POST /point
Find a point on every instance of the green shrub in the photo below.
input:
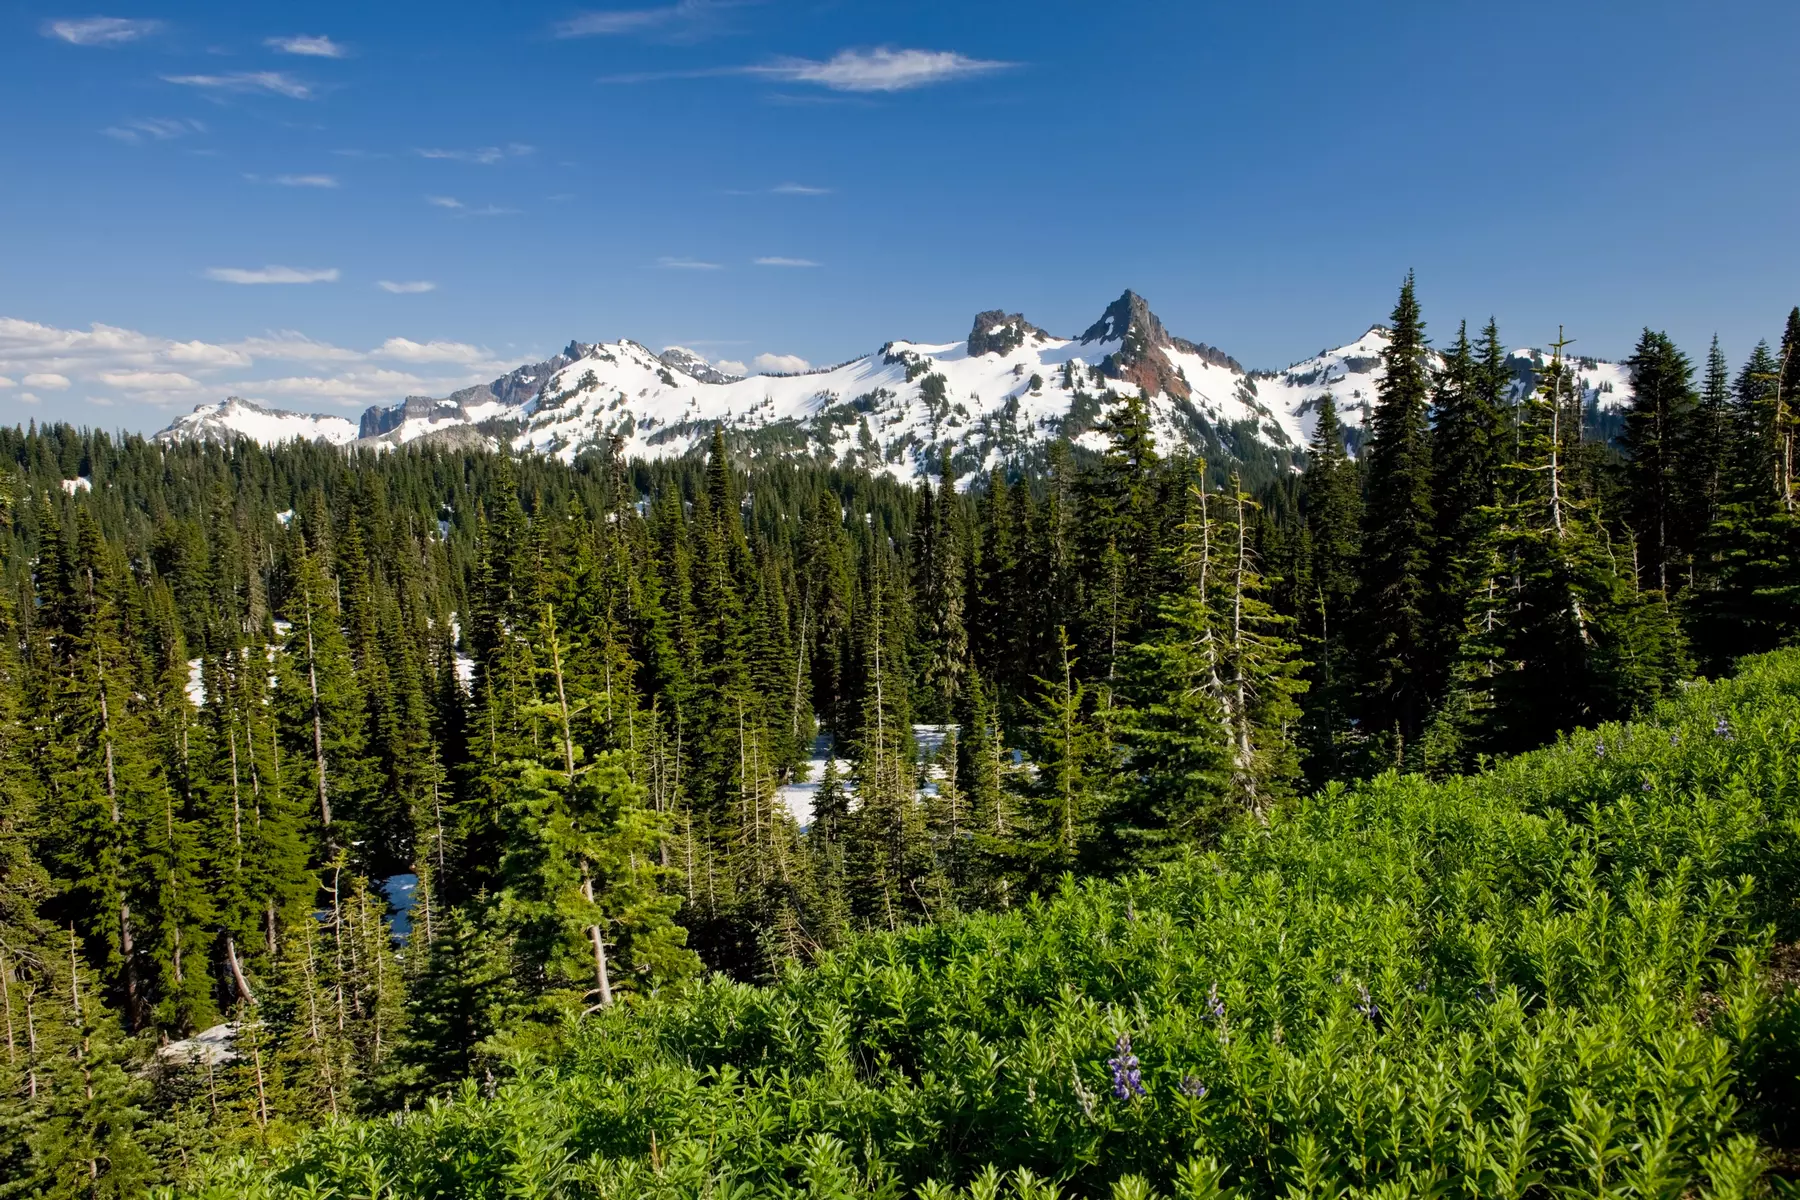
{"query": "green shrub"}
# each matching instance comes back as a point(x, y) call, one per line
point(1548, 979)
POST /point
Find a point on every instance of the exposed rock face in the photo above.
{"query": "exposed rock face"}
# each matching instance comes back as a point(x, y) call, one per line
point(997, 332)
point(378, 420)
point(1142, 339)
point(512, 390)
point(686, 361)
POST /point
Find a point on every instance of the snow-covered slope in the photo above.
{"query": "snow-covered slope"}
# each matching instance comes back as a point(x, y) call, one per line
point(997, 396)
point(234, 417)
point(1352, 375)
point(1005, 389)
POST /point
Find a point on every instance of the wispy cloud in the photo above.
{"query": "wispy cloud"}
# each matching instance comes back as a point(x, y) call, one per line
point(406, 350)
point(272, 275)
point(144, 369)
point(276, 83)
point(298, 181)
point(150, 381)
point(484, 155)
point(411, 287)
point(154, 129)
point(100, 31)
point(308, 46)
point(463, 210)
point(880, 70)
point(781, 189)
point(780, 364)
point(684, 19)
point(777, 261)
point(671, 263)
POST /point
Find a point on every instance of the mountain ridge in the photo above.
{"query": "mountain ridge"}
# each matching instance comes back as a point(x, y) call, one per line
point(995, 398)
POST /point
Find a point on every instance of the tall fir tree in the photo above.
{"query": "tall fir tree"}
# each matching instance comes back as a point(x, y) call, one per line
point(1399, 670)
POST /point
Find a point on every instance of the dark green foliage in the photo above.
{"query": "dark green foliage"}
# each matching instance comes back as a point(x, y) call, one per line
point(246, 695)
point(1548, 979)
point(1398, 667)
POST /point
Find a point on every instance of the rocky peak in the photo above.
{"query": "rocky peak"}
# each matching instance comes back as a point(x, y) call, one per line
point(998, 332)
point(1130, 321)
point(1142, 340)
point(686, 361)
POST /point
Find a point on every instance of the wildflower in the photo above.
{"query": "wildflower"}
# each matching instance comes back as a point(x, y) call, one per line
point(1722, 729)
point(1127, 1080)
point(1674, 739)
point(1600, 749)
point(1370, 1010)
point(1646, 785)
point(1191, 1086)
point(1215, 1007)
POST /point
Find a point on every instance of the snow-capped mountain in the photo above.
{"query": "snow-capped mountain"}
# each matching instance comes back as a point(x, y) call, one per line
point(997, 396)
point(235, 417)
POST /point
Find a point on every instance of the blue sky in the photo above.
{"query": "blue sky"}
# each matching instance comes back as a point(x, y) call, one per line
point(330, 205)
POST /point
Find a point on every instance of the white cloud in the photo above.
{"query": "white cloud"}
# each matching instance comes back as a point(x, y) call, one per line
point(484, 155)
point(153, 370)
point(7, 383)
point(780, 363)
point(272, 275)
point(406, 350)
point(732, 367)
point(277, 83)
point(879, 70)
point(311, 47)
point(157, 381)
point(682, 17)
point(28, 398)
point(444, 201)
point(307, 181)
point(291, 346)
point(411, 287)
point(155, 129)
point(687, 264)
point(778, 261)
point(799, 189)
point(100, 31)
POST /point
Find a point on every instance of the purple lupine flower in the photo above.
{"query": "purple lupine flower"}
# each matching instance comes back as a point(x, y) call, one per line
point(1127, 1079)
point(1191, 1086)
point(1600, 749)
point(1368, 1007)
point(1674, 739)
point(1215, 1007)
point(1646, 785)
point(1722, 729)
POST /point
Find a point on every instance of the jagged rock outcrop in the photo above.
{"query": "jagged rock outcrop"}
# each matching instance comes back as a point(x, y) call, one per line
point(686, 361)
point(999, 332)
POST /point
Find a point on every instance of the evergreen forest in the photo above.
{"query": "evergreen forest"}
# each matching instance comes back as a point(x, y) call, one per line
point(451, 823)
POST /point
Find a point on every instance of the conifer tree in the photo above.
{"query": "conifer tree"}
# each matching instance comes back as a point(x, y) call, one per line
point(1398, 670)
point(1331, 502)
point(1658, 438)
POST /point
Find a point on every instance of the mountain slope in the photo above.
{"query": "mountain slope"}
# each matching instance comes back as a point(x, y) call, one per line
point(998, 396)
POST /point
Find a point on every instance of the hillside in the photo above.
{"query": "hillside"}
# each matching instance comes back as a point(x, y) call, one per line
point(995, 397)
point(1552, 978)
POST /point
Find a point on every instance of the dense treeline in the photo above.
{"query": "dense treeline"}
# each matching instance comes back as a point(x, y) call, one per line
point(248, 696)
